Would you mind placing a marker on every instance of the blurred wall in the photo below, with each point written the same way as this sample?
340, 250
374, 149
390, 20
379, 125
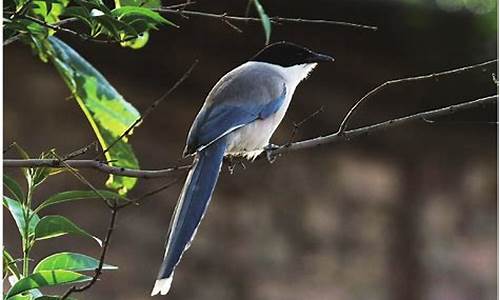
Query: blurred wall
408, 213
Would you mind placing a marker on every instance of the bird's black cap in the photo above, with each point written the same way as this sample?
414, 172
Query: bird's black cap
288, 54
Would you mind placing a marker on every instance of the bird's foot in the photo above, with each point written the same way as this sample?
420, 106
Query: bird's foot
233, 162
270, 155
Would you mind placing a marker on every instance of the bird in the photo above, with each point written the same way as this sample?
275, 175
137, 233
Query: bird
238, 118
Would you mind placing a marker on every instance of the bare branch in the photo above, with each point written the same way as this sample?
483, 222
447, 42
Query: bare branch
225, 17
366, 130
333, 138
435, 76
105, 246
93, 164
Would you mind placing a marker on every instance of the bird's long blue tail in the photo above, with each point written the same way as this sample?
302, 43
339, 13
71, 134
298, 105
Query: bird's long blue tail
190, 209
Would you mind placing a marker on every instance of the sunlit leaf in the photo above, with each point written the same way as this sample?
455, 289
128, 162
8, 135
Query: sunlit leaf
131, 13
55, 226
136, 43
46, 278
266, 22
106, 110
140, 3
16, 210
49, 10
70, 261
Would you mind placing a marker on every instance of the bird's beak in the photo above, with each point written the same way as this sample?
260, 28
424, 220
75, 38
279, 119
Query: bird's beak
318, 57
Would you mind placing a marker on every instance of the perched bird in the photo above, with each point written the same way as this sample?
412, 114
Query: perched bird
239, 116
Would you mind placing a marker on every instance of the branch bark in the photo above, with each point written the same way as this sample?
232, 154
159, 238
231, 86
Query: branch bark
301, 145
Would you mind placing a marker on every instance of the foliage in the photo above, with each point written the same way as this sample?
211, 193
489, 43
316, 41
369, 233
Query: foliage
59, 268
35, 22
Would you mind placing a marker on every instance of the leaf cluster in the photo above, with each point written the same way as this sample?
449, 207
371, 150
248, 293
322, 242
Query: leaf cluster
58, 268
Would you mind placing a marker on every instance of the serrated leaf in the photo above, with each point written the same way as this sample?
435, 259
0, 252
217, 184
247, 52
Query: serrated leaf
70, 261
77, 195
55, 226
16, 210
46, 278
266, 22
14, 188
106, 110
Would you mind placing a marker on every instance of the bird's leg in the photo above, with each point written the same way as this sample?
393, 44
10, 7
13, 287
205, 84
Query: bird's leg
271, 157
230, 164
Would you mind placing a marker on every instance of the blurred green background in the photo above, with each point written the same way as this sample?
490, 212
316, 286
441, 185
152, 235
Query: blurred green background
408, 213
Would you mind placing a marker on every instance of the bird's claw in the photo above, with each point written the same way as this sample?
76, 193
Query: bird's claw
269, 149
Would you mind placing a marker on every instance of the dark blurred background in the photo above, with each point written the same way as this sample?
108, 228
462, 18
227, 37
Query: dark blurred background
408, 213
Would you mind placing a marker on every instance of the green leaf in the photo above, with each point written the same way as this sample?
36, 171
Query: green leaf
266, 22
81, 13
138, 42
77, 195
12, 186
20, 150
131, 13
40, 174
9, 265
54, 226
70, 261
49, 10
106, 110
21, 297
140, 3
16, 210
46, 278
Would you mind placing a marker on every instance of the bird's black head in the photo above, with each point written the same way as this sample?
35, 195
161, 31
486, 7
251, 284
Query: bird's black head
288, 54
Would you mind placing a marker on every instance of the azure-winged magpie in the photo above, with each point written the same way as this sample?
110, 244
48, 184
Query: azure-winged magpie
239, 116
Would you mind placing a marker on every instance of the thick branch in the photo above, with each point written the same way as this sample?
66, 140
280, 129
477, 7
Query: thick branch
333, 138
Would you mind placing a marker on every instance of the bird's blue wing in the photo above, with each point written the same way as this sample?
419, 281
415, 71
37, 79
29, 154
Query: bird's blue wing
218, 120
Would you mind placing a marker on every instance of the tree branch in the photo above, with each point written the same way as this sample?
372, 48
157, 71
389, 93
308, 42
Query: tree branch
310, 143
105, 246
92, 164
225, 17
435, 76
366, 130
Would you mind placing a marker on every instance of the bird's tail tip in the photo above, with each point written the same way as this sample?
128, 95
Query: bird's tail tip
162, 286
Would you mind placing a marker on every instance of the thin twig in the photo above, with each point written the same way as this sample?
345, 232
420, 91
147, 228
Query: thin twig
80, 151
57, 27
80, 177
436, 76
149, 194
153, 106
296, 126
310, 143
225, 16
98, 270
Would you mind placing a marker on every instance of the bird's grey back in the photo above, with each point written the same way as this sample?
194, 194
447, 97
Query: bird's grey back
254, 82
